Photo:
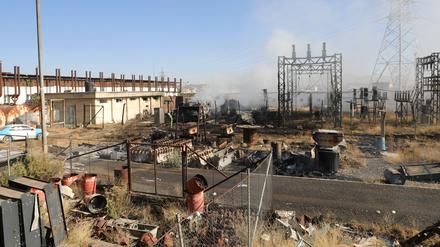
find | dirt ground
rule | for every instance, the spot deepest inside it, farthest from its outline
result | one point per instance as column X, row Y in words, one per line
column 361, row 160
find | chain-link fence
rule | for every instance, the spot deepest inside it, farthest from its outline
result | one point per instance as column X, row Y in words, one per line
column 234, row 214
column 13, row 149
column 106, row 160
column 157, row 168
column 235, row 201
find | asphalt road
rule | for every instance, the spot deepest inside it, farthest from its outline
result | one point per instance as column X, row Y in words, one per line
column 346, row 200
column 357, row 200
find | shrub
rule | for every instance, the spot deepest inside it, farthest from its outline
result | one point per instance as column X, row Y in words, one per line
column 174, row 160
column 118, row 202
column 35, row 166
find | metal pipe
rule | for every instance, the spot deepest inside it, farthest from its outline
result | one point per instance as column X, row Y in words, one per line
column 113, row 83
column 101, row 81
column 141, row 82
column 129, row 163
column 133, row 84
column 180, row 230
column 184, row 166
column 155, row 171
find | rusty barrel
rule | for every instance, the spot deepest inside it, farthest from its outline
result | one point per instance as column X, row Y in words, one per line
column 89, row 183
column 196, row 184
column 195, row 202
column 69, row 179
column 121, row 174
column 250, row 134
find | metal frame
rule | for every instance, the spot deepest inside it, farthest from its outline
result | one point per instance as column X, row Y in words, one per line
column 289, row 69
column 372, row 101
column 201, row 121
column 427, row 91
column 75, row 82
column 52, row 117
column 53, row 201
column 403, row 106
column 423, row 102
column 87, row 122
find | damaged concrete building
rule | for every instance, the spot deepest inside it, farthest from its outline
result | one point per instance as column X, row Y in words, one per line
column 81, row 101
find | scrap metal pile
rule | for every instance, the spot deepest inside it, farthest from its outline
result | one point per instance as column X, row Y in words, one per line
column 323, row 159
column 22, row 207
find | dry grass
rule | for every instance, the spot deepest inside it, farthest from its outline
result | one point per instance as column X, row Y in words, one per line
column 68, row 205
column 267, row 237
column 326, row 236
column 18, row 169
column 118, row 202
column 41, row 167
column 171, row 209
column 389, row 226
column 391, row 126
column 80, row 235
column 36, row 166
column 416, row 152
column 352, row 157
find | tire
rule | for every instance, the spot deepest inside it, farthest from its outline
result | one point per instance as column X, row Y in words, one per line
column 7, row 139
column 39, row 137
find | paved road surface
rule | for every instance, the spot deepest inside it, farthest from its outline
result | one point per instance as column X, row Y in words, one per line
column 356, row 200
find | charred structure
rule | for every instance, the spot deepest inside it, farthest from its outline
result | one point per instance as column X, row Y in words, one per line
column 290, row 69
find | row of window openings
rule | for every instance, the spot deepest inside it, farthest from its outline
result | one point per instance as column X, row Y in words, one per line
column 8, row 99
column 102, row 101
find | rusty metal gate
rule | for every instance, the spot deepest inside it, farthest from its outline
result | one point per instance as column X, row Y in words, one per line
column 93, row 116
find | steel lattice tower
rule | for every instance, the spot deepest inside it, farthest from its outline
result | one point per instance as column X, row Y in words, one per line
column 397, row 52
column 289, row 68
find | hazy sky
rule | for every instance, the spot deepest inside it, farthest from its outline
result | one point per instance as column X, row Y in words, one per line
column 230, row 44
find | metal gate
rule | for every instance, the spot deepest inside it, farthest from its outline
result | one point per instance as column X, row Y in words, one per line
column 93, row 116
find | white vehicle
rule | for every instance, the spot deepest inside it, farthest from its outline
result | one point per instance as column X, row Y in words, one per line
column 12, row 132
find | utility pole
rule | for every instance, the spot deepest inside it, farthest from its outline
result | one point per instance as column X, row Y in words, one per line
column 41, row 79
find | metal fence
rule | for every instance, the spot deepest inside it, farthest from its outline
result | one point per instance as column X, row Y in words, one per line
column 157, row 169
column 236, row 202
column 234, row 214
column 103, row 159
column 14, row 148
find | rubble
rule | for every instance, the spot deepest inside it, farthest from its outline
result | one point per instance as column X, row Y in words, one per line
column 417, row 172
column 125, row 231
column 95, row 203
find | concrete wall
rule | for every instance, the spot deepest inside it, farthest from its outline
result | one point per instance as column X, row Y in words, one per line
column 102, row 110
column 134, row 107
column 27, row 91
column 73, row 111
